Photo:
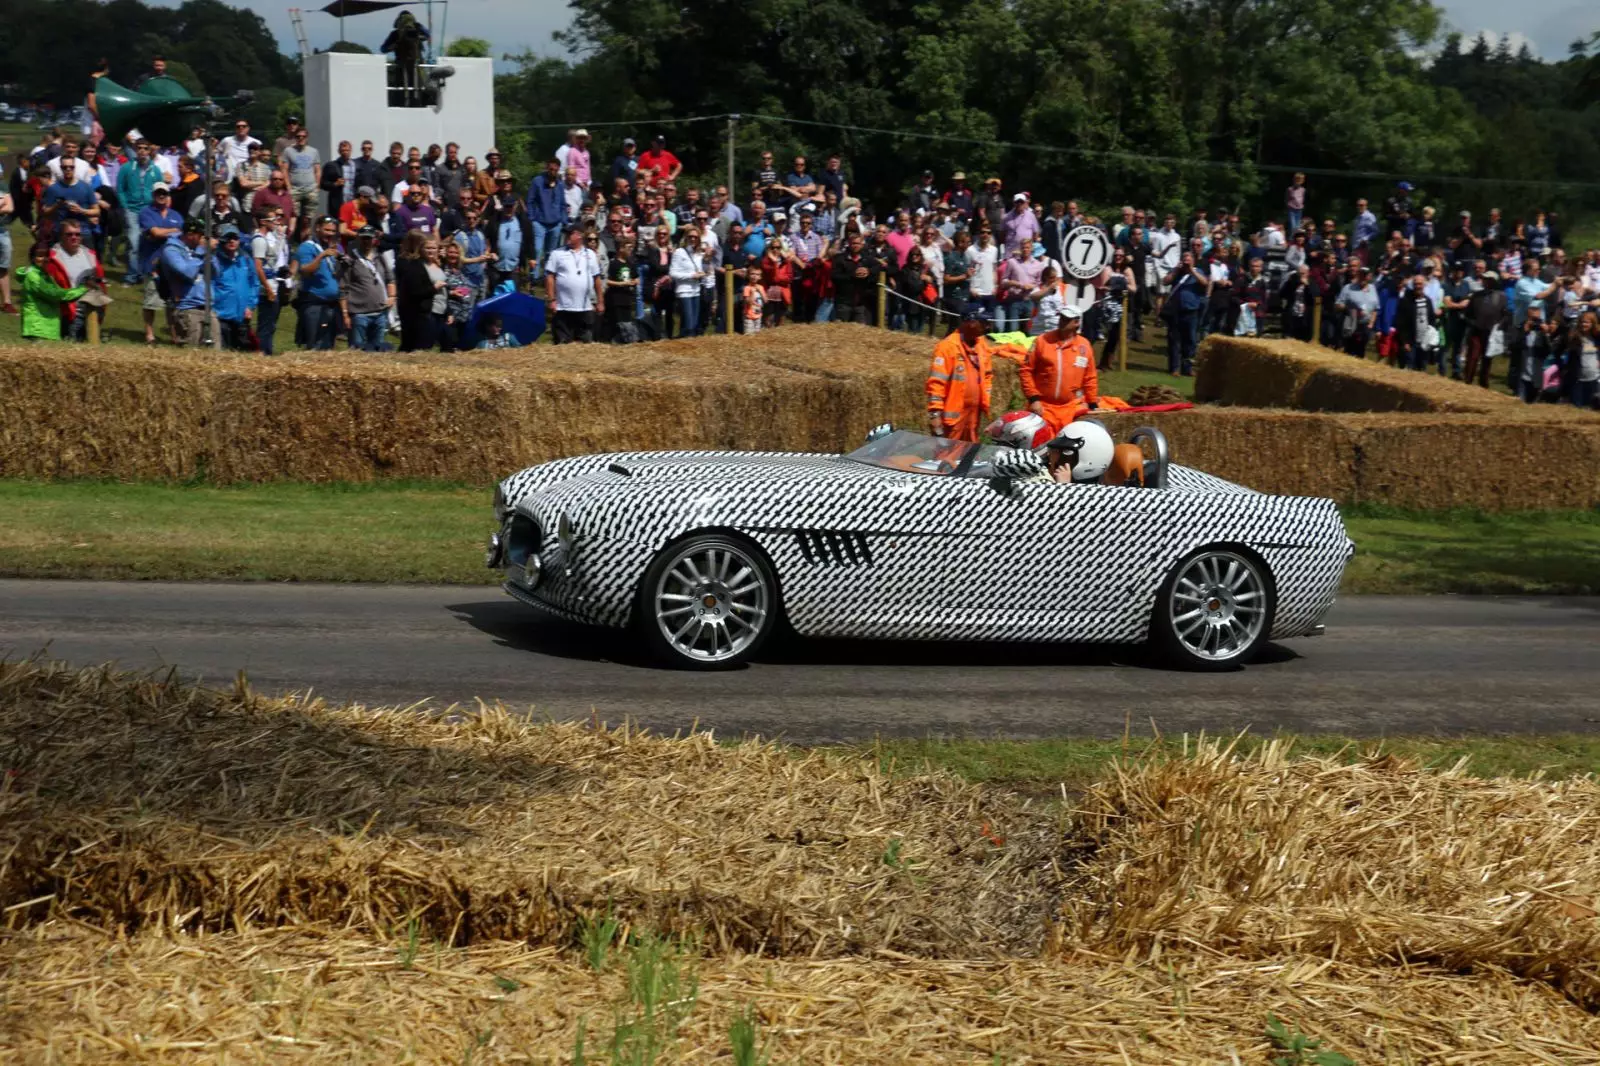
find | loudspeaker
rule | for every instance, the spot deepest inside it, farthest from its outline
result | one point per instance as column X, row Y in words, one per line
column 162, row 110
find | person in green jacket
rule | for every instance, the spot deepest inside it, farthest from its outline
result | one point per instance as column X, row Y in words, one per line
column 42, row 297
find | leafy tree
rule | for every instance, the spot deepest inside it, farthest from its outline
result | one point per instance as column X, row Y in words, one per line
column 469, row 48
column 350, row 47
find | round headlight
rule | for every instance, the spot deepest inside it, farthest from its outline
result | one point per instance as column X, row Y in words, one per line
column 565, row 533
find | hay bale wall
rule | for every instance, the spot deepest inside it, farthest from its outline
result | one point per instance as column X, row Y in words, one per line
column 1248, row 372
column 1422, row 461
column 351, row 416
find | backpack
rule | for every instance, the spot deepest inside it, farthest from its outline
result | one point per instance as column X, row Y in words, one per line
column 163, row 285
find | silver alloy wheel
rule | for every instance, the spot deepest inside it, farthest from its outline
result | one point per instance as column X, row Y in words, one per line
column 1219, row 604
column 711, row 602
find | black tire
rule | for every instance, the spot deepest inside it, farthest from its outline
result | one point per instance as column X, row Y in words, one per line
column 728, row 614
column 1231, row 612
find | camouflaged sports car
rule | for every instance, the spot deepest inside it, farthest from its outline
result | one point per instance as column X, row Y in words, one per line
column 704, row 554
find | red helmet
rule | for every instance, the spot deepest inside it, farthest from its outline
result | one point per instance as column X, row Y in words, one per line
column 1020, row 429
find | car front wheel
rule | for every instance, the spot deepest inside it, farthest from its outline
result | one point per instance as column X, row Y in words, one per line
column 707, row 602
column 1214, row 610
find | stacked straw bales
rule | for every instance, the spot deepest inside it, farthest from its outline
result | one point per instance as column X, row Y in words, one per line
column 1295, row 418
column 192, row 875
column 352, row 416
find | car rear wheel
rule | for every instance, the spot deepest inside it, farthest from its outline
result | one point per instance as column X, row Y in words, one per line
column 708, row 602
column 1214, row 610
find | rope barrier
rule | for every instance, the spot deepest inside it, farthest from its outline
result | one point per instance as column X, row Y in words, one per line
column 902, row 296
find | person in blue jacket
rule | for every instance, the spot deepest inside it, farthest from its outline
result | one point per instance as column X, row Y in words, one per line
column 236, row 290
column 547, row 213
column 182, row 263
column 1188, row 290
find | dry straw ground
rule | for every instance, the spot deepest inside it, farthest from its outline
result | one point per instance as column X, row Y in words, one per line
column 1286, row 417
column 199, row 876
column 351, row 416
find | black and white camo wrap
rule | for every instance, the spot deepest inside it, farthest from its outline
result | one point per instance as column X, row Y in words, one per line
column 862, row 551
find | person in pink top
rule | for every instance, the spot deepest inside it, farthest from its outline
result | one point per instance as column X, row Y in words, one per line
column 1019, row 278
column 578, row 156
column 901, row 239
column 1020, row 222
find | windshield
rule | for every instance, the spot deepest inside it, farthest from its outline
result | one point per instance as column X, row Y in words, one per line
column 918, row 453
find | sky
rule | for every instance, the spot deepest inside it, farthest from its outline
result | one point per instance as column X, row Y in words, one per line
column 1548, row 26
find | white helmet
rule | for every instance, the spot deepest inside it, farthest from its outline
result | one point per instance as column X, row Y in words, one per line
column 1094, row 448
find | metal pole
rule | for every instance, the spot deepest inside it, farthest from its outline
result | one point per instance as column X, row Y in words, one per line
column 444, row 28
column 1122, row 341
column 211, row 214
column 733, row 126
column 727, row 299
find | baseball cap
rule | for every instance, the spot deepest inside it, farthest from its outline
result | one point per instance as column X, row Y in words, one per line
column 367, row 191
column 975, row 312
column 291, row 118
column 160, row 186
column 193, row 225
column 1019, row 196
column 778, row 216
column 1406, row 185
column 580, row 133
column 1071, row 312
column 960, row 175
column 502, row 175
column 662, row 137
column 368, row 231
column 228, row 231
column 629, row 142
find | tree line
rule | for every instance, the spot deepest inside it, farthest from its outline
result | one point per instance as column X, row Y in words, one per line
column 1165, row 103
column 1168, row 103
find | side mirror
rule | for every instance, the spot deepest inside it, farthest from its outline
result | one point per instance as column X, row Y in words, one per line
column 1011, row 463
column 881, row 430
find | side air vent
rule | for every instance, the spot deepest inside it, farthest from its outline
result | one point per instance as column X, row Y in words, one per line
column 834, row 549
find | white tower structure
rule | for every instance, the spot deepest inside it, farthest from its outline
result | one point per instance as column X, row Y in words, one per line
column 348, row 99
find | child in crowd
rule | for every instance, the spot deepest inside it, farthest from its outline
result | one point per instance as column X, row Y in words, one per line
column 755, row 299
column 42, row 297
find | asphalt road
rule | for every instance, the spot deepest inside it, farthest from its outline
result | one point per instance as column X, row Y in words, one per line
column 1386, row 665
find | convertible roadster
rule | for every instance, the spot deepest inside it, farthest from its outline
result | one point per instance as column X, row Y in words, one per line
column 705, row 554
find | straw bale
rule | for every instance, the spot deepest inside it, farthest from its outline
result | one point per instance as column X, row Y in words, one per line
column 1488, row 463
column 70, row 413
column 1252, row 372
column 143, row 803
column 354, row 416
column 1376, row 862
column 1289, row 452
column 76, row 995
column 200, row 875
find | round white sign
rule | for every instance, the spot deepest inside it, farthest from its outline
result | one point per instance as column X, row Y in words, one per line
column 1085, row 252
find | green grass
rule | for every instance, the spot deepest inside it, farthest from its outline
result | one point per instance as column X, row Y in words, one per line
column 424, row 532
column 1074, row 762
column 1472, row 551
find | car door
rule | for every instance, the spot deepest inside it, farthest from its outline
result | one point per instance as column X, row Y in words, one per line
column 1033, row 559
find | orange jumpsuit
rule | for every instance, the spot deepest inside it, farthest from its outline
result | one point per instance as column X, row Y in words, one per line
column 1060, row 375
column 959, row 383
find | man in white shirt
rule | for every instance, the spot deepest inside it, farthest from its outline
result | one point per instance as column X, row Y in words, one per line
column 1166, row 248
column 574, row 287
column 236, row 149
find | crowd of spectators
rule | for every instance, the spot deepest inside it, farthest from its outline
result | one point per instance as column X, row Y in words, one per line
column 365, row 245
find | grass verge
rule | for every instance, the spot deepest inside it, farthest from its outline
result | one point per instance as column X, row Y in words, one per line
column 1074, row 763
column 431, row 533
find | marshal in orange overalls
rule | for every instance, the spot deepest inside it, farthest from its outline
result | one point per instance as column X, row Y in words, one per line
column 958, row 385
column 1060, row 375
